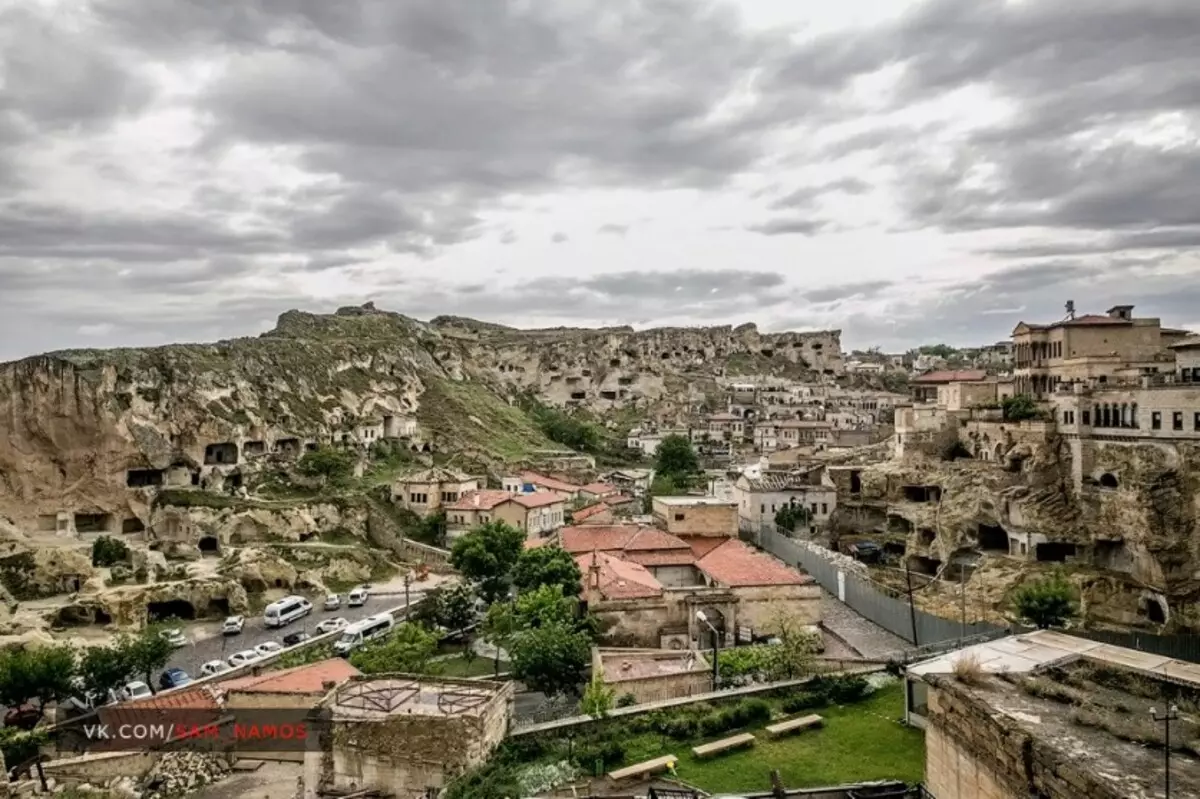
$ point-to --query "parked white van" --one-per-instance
(286, 611)
(360, 632)
(358, 597)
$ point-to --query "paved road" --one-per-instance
(208, 643)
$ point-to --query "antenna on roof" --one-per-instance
(1070, 309)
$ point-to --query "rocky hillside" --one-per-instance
(89, 437)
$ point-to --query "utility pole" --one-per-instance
(912, 609)
(1171, 714)
(962, 587)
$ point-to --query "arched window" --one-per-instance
(1108, 480)
(1133, 416)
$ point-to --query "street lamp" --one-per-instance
(408, 575)
(716, 641)
(1166, 718)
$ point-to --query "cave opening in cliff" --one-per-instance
(224, 452)
(614, 362)
(218, 607)
(855, 482)
(896, 548)
(142, 478)
(992, 539)
(288, 446)
(1155, 613)
(1108, 480)
(132, 525)
(899, 524)
(92, 522)
(1054, 552)
(170, 609)
(923, 565)
(209, 544)
(767, 353)
(578, 395)
(608, 395)
(312, 446)
(927, 535)
(255, 447)
(923, 493)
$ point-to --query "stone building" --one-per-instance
(646, 585)
(759, 499)
(429, 490)
(695, 515)
(538, 513)
(1090, 348)
(1014, 730)
(924, 388)
(651, 675)
(404, 735)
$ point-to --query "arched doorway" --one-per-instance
(209, 545)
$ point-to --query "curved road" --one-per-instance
(208, 643)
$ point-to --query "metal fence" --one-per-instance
(866, 598)
(893, 613)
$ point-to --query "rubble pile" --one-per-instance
(178, 773)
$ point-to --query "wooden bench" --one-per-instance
(643, 769)
(723, 745)
(794, 725)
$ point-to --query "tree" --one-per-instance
(1018, 408)
(792, 656)
(453, 608)
(409, 649)
(103, 669)
(41, 675)
(677, 459)
(432, 528)
(146, 653)
(598, 698)
(938, 350)
(550, 659)
(108, 551)
(1048, 602)
(789, 517)
(486, 556)
(332, 466)
(549, 566)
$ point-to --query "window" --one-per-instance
(1196, 421)
(1156, 420)
(1177, 420)
(762, 508)
(1087, 417)
(678, 517)
(824, 507)
(814, 508)
(418, 499)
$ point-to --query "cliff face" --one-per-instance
(89, 438)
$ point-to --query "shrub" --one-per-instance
(609, 752)
(803, 701)
(681, 728)
(968, 670)
(626, 700)
(108, 551)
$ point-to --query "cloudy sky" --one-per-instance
(909, 172)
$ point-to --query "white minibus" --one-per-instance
(360, 632)
(286, 611)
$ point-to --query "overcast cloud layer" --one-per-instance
(909, 172)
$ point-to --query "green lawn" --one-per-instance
(859, 742)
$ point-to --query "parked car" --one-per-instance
(291, 639)
(332, 625)
(175, 638)
(214, 667)
(269, 648)
(358, 597)
(333, 602)
(866, 551)
(233, 625)
(244, 657)
(137, 690)
(173, 678)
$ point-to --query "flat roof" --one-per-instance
(623, 665)
(1028, 652)
(695, 501)
(383, 698)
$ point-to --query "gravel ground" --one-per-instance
(867, 638)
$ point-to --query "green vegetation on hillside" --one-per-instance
(474, 418)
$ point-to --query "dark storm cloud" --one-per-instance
(863, 290)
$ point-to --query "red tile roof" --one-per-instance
(199, 698)
(600, 489)
(951, 376)
(734, 564)
(603, 537)
(701, 545)
(548, 482)
(537, 543)
(671, 557)
(480, 500)
(308, 679)
(653, 539)
(619, 579)
(538, 499)
(618, 499)
(588, 512)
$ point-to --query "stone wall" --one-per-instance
(760, 607)
(975, 753)
(701, 518)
